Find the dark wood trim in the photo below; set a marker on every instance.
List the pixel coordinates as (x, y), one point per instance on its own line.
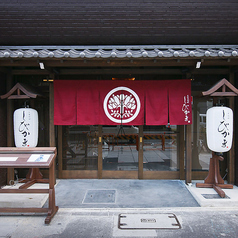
(18, 97)
(10, 136)
(106, 174)
(51, 116)
(113, 71)
(79, 174)
(180, 151)
(231, 153)
(100, 162)
(223, 94)
(19, 88)
(140, 153)
(30, 72)
(117, 62)
(222, 84)
(60, 151)
(161, 175)
(188, 158)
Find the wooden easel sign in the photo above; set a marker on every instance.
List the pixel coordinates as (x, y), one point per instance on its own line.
(219, 130)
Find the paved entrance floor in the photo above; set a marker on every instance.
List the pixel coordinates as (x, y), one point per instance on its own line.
(116, 193)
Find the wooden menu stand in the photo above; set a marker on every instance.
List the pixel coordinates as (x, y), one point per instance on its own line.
(33, 176)
(214, 179)
(12, 157)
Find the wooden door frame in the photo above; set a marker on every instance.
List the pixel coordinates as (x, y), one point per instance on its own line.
(104, 174)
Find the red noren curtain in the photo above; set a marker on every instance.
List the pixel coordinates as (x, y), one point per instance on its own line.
(95, 102)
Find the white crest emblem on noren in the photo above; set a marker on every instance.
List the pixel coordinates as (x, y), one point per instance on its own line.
(121, 105)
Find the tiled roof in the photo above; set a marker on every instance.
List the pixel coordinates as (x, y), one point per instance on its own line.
(153, 51)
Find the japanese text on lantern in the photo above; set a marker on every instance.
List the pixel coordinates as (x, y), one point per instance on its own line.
(223, 129)
(24, 129)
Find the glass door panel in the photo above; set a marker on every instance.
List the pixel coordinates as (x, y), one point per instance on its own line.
(160, 148)
(80, 148)
(119, 150)
(200, 152)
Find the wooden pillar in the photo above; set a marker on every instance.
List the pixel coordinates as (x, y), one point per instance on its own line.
(188, 158)
(10, 137)
(180, 151)
(100, 167)
(60, 151)
(51, 116)
(140, 153)
(231, 153)
(195, 135)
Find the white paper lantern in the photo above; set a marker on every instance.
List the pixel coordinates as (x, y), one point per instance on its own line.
(219, 129)
(25, 127)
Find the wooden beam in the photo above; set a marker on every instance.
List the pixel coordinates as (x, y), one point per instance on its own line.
(112, 62)
(224, 94)
(114, 71)
(30, 72)
(18, 97)
(138, 71)
(118, 70)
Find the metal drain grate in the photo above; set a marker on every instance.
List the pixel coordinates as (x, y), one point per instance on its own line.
(100, 196)
(214, 196)
(148, 221)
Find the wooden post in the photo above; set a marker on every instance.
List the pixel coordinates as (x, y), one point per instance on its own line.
(51, 116)
(100, 167)
(10, 138)
(180, 151)
(214, 179)
(231, 153)
(188, 158)
(60, 151)
(140, 153)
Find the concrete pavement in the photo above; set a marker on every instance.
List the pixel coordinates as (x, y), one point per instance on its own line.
(73, 223)
(100, 218)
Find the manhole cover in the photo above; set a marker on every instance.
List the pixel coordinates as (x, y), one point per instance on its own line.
(214, 196)
(100, 196)
(148, 221)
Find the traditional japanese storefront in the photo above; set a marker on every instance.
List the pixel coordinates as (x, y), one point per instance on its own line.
(82, 54)
(82, 110)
